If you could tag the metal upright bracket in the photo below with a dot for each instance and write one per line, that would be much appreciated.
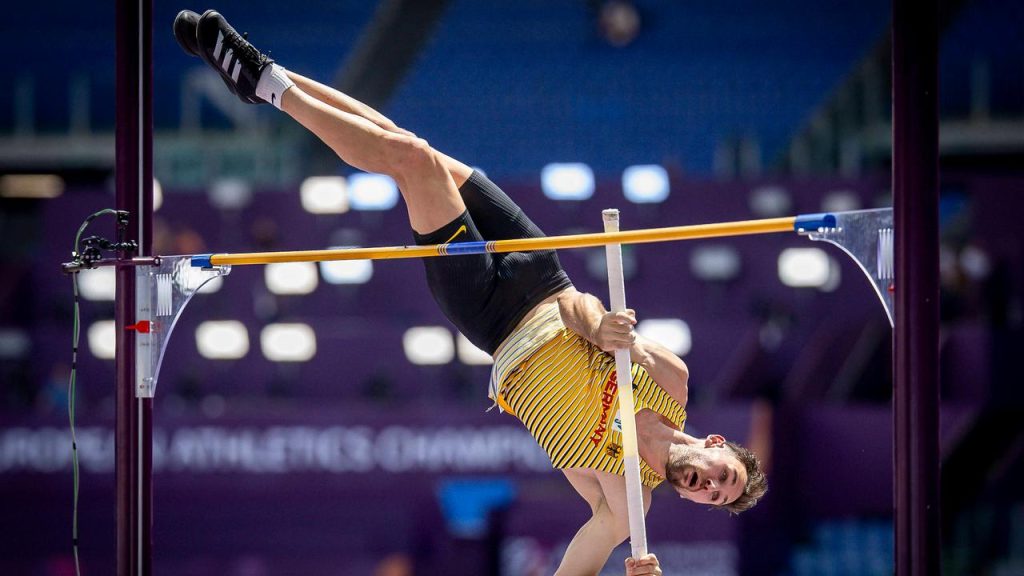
(161, 293)
(867, 236)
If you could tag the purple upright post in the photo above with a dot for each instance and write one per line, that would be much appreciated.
(134, 169)
(916, 341)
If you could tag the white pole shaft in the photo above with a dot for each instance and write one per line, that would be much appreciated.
(630, 453)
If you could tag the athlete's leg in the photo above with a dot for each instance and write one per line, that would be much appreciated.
(344, 102)
(337, 99)
(365, 139)
(497, 216)
(430, 193)
(438, 214)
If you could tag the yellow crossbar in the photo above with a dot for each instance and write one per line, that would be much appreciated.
(693, 232)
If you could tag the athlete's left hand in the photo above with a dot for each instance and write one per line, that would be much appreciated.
(646, 565)
(615, 331)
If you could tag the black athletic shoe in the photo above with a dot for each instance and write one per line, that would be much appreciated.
(238, 62)
(185, 31)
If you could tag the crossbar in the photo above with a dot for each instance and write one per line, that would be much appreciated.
(693, 232)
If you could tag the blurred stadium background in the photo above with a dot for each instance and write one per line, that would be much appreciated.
(327, 419)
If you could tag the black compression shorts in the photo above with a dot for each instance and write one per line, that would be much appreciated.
(486, 295)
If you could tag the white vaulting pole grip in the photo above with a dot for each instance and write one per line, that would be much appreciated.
(630, 454)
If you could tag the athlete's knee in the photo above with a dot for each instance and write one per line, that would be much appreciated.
(620, 531)
(411, 156)
(616, 524)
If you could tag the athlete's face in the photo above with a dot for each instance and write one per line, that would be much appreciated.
(708, 475)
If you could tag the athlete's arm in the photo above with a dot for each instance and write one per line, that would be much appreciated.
(667, 369)
(607, 528)
(585, 315)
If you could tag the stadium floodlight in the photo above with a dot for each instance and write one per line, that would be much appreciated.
(715, 262)
(36, 186)
(645, 184)
(290, 277)
(158, 195)
(975, 263)
(15, 343)
(101, 337)
(346, 271)
(567, 181)
(804, 267)
(372, 192)
(428, 345)
(770, 202)
(222, 339)
(671, 333)
(834, 277)
(469, 354)
(324, 195)
(230, 194)
(97, 283)
(288, 342)
(840, 201)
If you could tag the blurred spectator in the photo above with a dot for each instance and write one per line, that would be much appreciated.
(397, 564)
(53, 396)
(169, 239)
(264, 233)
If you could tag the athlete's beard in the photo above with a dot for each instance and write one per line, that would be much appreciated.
(676, 469)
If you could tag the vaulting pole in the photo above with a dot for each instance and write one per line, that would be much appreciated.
(915, 164)
(134, 176)
(624, 375)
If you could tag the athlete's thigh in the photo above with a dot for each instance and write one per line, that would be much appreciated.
(460, 172)
(431, 196)
(613, 489)
(463, 285)
(496, 215)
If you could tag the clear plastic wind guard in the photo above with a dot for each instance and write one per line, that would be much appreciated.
(161, 293)
(867, 236)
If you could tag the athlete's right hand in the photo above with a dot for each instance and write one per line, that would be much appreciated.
(645, 565)
(615, 331)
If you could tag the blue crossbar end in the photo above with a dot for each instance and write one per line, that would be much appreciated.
(811, 222)
(202, 261)
(478, 247)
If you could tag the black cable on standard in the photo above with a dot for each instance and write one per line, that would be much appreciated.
(84, 259)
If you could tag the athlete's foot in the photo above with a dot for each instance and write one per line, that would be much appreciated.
(185, 33)
(237, 61)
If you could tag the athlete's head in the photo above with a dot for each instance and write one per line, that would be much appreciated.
(720, 473)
